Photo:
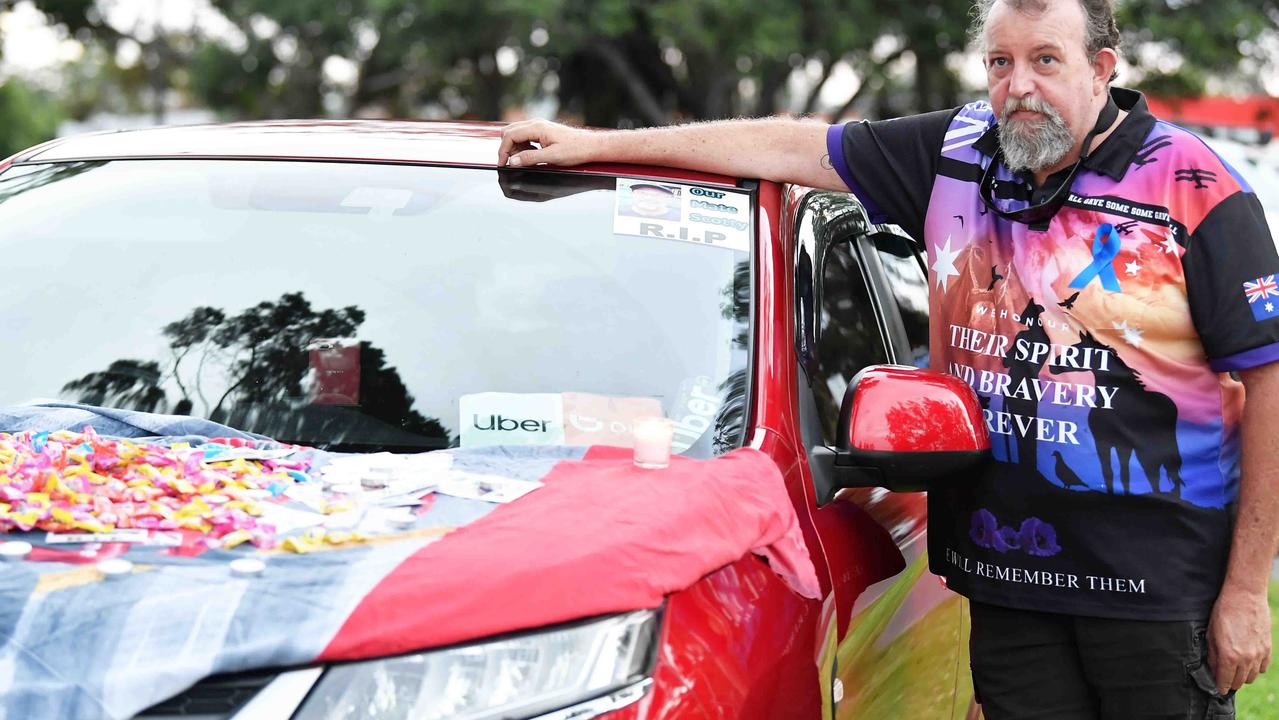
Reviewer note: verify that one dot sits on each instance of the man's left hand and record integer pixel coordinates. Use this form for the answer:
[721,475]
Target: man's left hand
[1239,637]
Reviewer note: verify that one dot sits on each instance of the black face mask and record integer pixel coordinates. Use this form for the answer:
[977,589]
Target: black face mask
[1048,208]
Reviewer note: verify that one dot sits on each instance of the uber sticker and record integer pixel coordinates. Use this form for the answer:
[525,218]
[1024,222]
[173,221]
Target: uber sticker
[495,418]
[691,213]
[694,411]
[603,420]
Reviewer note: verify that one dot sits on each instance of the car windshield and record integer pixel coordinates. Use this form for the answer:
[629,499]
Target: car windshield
[358,306]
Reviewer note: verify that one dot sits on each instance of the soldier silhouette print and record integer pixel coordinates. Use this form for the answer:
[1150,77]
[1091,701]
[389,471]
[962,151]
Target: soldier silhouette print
[1153,414]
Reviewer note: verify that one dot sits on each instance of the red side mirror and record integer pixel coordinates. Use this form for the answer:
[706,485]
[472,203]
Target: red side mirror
[898,409]
[906,429]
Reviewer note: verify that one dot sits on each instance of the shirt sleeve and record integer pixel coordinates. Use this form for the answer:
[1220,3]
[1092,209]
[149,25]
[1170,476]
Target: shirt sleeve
[890,165]
[1232,270]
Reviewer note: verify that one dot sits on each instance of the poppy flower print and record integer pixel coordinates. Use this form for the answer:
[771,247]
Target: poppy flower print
[1034,536]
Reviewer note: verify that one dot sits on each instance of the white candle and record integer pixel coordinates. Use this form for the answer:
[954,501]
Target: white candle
[652,442]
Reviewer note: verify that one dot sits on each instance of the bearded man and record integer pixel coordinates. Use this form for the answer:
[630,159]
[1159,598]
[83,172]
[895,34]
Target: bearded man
[1125,553]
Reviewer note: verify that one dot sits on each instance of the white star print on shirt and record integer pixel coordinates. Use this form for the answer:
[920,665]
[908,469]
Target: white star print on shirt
[944,265]
[1170,245]
[1132,268]
[1270,307]
[1132,336]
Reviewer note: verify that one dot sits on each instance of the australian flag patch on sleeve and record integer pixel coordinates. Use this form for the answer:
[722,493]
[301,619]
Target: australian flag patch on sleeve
[1263,297]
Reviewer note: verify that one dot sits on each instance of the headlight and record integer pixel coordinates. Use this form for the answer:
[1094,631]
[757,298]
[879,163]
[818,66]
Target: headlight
[515,677]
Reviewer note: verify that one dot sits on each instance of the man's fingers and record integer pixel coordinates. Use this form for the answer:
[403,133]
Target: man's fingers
[1224,670]
[1224,680]
[516,134]
[1241,676]
[527,158]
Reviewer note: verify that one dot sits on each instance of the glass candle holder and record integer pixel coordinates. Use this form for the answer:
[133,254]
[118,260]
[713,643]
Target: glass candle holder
[652,442]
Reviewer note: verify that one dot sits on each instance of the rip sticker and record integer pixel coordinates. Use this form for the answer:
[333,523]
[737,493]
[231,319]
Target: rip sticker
[690,213]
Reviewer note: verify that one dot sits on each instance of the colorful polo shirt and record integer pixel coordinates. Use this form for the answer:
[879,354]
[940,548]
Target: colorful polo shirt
[1099,345]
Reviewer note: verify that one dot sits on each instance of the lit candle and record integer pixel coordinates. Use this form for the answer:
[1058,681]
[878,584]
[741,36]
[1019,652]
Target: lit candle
[652,442]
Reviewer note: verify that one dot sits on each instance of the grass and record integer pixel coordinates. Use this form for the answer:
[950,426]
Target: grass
[1260,700]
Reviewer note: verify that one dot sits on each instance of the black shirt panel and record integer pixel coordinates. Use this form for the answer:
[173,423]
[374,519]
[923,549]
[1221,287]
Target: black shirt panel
[894,162]
[1231,282]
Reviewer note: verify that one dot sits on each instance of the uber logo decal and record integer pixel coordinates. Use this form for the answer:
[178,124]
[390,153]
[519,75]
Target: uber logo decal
[511,419]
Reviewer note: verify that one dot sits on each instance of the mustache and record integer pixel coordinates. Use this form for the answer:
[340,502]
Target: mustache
[1029,103]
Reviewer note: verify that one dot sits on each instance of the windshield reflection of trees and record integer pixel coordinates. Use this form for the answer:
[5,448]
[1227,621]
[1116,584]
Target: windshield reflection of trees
[730,420]
[257,370]
[20,179]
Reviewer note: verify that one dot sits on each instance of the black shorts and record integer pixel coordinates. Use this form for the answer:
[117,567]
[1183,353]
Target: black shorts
[1048,666]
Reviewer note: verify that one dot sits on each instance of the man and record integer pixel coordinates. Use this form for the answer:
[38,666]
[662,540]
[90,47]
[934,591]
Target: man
[1096,275]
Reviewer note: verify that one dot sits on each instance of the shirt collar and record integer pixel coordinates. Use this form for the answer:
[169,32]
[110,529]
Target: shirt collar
[1114,156]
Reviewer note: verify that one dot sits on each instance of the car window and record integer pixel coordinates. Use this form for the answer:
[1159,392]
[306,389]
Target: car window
[362,306]
[850,336]
[909,288]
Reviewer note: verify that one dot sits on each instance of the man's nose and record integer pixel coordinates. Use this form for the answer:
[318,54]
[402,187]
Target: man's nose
[1021,81]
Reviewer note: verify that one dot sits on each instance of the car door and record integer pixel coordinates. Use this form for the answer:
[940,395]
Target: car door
[861,299]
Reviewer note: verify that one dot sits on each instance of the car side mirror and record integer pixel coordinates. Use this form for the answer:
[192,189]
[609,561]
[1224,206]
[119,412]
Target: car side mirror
[904,429]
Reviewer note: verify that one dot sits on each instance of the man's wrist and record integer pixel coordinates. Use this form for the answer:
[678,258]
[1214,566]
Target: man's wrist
[1246,584]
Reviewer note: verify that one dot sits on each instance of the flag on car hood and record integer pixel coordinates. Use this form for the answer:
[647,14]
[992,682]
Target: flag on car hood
[600,536]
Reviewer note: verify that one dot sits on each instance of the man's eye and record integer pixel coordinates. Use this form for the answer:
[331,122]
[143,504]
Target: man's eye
[999,62]
[1047,59]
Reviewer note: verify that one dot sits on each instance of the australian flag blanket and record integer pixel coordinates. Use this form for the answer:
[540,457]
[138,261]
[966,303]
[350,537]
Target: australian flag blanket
[597,536]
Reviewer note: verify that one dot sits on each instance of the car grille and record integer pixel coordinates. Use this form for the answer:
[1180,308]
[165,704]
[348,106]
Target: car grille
[214,698]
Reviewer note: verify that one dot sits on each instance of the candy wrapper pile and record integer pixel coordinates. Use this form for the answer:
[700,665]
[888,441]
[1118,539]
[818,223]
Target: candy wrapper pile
[65,482]
[83,487]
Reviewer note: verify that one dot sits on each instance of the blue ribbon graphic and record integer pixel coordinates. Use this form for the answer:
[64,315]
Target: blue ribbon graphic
[1103,253]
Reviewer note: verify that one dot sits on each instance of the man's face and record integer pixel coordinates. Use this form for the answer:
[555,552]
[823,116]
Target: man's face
[652,202]
[1042,85]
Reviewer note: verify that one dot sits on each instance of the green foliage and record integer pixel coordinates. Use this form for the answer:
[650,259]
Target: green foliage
[27,116]
[1206,36]
[616,62]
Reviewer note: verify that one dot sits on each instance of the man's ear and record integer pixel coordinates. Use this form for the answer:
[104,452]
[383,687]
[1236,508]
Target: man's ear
[1103,68]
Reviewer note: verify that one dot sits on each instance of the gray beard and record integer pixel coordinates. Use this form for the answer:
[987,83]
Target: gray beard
[1034,145]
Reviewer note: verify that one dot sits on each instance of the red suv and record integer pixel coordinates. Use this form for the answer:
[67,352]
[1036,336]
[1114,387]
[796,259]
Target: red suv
[381,286]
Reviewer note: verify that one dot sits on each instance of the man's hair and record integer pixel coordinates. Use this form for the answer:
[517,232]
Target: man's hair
[1100,29]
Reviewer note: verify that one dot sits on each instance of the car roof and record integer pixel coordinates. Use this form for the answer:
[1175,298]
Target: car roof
[472,144]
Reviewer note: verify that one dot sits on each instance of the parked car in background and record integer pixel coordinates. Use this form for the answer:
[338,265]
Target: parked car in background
[381,286]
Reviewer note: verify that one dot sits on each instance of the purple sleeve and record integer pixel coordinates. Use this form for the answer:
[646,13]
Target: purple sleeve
[835,146]
[1247,359]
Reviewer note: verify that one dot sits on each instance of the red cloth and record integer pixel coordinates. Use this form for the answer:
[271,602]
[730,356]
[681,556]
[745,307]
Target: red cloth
[601,537]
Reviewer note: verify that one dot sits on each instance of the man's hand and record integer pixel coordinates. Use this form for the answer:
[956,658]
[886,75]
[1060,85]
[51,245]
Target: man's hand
[1238,637]
[555,144]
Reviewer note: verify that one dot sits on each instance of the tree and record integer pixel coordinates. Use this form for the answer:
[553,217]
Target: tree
[249,370]
[615,62]
[27,116]
[1177,44]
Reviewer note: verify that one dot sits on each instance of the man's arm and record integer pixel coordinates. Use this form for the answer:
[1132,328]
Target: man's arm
[1239,631]
[771,149]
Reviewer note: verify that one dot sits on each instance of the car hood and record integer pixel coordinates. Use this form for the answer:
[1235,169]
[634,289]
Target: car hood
[600,536]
